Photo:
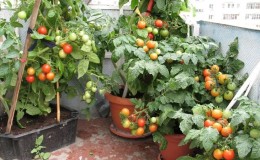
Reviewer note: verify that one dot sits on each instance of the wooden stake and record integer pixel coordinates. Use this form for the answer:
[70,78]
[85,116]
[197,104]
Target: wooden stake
[58,103]
[21,69]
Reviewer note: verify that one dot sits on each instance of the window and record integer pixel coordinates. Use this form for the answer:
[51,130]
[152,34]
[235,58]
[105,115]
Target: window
[210,16]
[211,6]
[230,16]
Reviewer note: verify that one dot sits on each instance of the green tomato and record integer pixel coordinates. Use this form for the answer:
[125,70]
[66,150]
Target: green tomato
[133,132]
[85,38]
[62,54]
[226,114]
[81,33]
[254,133]
[231,86]
[88,43]
[149,29]
[57,32]
[228,95]
[126,123]
[89,84]
[84,97]
[179,52]
[22,14]
[164,33]
[94,89]
[256,123]
[58,38]
[219,99]
[153,120]
[87,95]
[72,36]
[102,91]
[88,100]
[155,31]
[158,51]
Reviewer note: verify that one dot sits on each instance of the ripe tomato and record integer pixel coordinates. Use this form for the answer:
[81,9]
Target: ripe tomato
[151,36]
[30,71]
[222,78]
[139,42]
[141,122]
[50,76]
[67,48]
[228,95]
[153,56]
[30,79]
[132,117]
[206,72]
[153,127]
[214,68]
[158,23]
[150,44]
[125,112]
[215,92]
[226,131]
[141,24]
[42,76]
[139,131]
[208,123]
[216,113]
[208,78]
[209,85]
[218,154]
[146,49]
[46,68]
[42,30]
[229,154]
[218,126]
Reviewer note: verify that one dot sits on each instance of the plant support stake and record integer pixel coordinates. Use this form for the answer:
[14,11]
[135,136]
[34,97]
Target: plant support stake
[58,102]
[21,69]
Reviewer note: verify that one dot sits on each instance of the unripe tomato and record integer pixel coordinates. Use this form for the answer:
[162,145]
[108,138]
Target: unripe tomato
[30,71]
[141,122]
[126,123]
[153,56]
[62,54]
[218,154]
[30,79]
[254,133]
[228,95]
[214,68]
[94,89]
[153,120]
[222,78]
[22,14]
[125,112]
[149,29]
[50,76]
[139,131]
[226,114]
[231,86]
[139,42]
[87,95]
[42,30]
[85,38]
[164,33]
[197,78]
[155,31]
[72,36]
[89,84]
[46,68]
[218,126]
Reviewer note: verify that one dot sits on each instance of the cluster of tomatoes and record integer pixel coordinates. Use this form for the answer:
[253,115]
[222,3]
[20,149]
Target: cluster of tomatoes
[137,123]
[219,84]
[90,90]
[45,73]
[217,119]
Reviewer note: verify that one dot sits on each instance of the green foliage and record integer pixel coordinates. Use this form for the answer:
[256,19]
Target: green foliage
[37,150]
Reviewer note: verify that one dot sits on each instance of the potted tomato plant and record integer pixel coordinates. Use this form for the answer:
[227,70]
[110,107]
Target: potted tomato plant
[136,56]
[63,47]
[224,134]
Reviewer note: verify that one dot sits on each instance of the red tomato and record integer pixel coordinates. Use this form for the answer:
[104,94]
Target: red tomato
[67,48]
[132,117]
[158,23]
[226,131]
[208,123]
[141,24]
[151,36]
[218,154]
[153,127]
[42,30]
[229,154]
[46,68]
[141,122]
[209,85]
[206,72]
[139,131]
[30,79]
[216,113]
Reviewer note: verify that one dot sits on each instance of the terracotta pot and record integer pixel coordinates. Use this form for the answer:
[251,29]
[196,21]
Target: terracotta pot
[173,150]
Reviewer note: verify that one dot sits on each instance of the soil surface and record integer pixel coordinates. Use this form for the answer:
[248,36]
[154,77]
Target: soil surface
[34,122]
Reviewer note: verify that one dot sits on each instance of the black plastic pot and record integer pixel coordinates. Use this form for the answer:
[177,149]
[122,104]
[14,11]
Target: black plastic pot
[55,136]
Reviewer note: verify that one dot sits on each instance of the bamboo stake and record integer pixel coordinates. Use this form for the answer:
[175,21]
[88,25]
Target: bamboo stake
[58,102]
[21,69]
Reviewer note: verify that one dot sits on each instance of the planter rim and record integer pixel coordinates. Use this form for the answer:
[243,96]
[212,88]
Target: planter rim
[117,99]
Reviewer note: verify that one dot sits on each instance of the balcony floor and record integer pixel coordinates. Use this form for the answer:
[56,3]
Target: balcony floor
[95,142]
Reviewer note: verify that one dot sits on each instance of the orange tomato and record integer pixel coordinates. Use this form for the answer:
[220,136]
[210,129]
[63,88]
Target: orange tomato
[226,131]
[223,78]
[209,85]
[139,42]
[215,92]
[153,56]
[42,76]
[150,44]
[125,112]
[206,72]
[218,126]
[139,131]
[216,113]
[214,68]
[31,71]
[208,78]
[50,76]
[218,154]
[153,127]
[141,24]
[146,49]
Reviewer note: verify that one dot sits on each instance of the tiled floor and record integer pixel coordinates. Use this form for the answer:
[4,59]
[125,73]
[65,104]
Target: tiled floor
[95,142]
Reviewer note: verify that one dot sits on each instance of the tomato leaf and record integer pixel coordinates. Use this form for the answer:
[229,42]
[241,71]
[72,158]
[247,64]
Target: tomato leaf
[83,67]
[243,145]
[159,138]
[134,3]
[93,58]
[209,136]
[142,33]
[32,110]
[239,116]
[7,43]
[256,149]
